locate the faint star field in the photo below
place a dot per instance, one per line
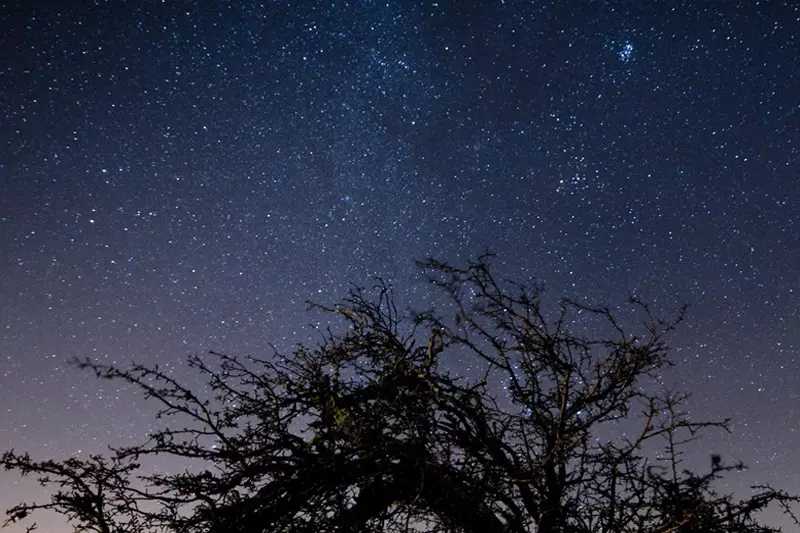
(177, 177)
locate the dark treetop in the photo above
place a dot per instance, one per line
(368, 433)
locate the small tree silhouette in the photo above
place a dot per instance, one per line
(367, 432)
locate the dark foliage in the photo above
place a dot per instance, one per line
(368, 432)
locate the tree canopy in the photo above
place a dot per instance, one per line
(371, 432)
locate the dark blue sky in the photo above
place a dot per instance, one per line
(181, 176)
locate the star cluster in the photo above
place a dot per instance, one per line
(182, 176)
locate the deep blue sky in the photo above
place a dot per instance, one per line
(179, 176)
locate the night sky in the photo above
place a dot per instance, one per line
(182, 176)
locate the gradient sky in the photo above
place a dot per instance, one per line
(181, 176)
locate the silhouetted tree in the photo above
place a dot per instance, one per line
(368, 432)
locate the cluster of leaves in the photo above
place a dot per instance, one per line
(368, 432)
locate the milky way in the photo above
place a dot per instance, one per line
(182, 176)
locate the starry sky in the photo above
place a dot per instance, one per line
(178, 176)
